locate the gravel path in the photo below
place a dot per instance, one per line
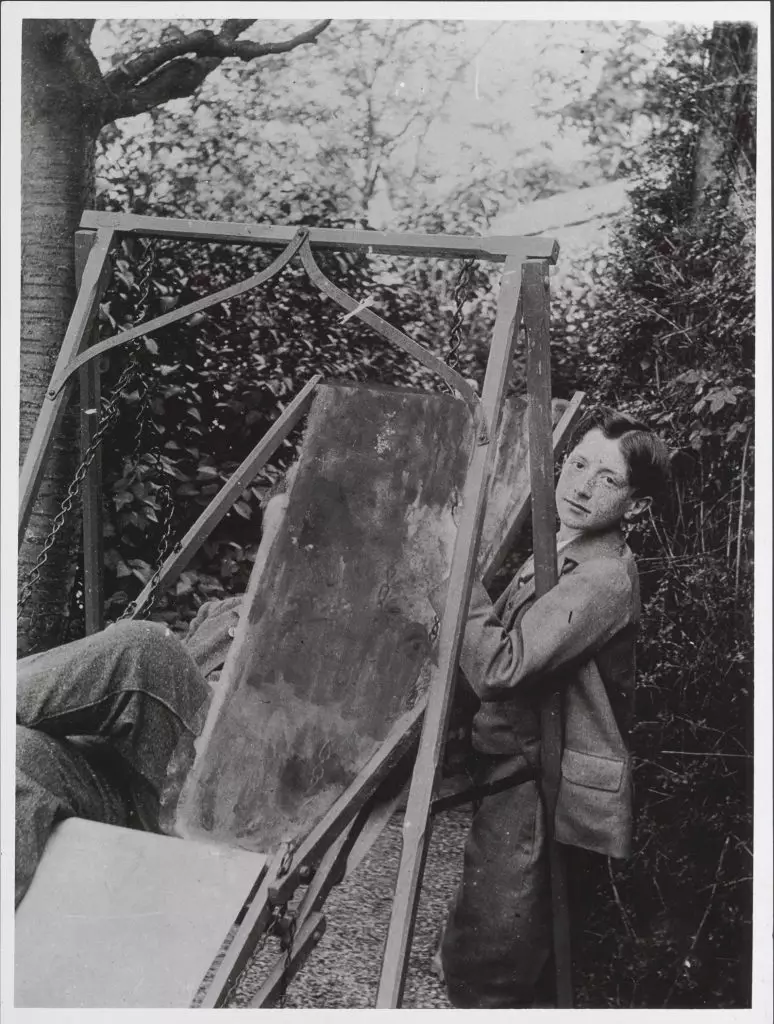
(343, 970)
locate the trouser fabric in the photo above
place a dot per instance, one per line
(105, 731)
(497, 939)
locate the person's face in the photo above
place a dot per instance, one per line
(593, 493)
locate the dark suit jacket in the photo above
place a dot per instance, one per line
(580, 638)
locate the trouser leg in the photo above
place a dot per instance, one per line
(55, 780)
(135, 696)
(498, 935)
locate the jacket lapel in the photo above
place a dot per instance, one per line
(523, 587)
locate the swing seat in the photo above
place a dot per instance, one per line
(333, 650)
(118, 918)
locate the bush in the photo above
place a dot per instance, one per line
(668, 335)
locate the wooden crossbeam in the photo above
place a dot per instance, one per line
(495, 248)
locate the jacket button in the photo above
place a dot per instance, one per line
(232, 631)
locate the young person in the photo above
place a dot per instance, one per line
(579, 637)
(105, 726)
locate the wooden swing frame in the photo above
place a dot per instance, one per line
(358, 816)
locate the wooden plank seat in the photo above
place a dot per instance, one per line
(118, 918)
(333, 648)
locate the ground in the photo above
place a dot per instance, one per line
(343, 971)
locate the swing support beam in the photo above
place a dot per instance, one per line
(523, 293)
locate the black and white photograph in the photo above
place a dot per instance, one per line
(386, 508)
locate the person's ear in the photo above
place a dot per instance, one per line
(637, 507)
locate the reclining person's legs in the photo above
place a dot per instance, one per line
(132, 688)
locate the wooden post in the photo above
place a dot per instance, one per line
(416, 828)
(91, 495)
(536, 323)
(54, 405)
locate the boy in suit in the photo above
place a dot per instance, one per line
(578, 638)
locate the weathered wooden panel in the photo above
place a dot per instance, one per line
(334, 638)
(334, 641)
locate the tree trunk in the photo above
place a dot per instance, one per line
(60, 122)
(726, 146)
(66, 102)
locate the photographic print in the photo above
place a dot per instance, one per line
(384, 383)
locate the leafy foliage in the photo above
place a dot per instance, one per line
(667, 333)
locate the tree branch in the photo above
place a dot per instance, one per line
(178, 78)
(140, 83)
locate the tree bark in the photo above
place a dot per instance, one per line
(725, 149)
(60, 121)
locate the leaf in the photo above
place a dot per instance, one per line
(140, 569)
(243, 509)
(193, 411)
(171, 469)
(689, 377)
(122, 499)
(151, 346)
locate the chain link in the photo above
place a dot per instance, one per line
(458, 297)
(435, 629)
(109, 414)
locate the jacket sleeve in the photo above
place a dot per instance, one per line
(566, 626)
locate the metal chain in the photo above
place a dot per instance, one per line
(109, 414)
(435, 629)
(163, 550)
(458, 297)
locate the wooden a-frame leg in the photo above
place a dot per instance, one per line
(91, 497)
(243, 475)
(416, 829)
(81, 322)
(278, 886)
(536, 324)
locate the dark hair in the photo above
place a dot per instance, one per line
(646, 455)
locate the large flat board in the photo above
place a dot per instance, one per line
(119, 918)
(334, 642)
